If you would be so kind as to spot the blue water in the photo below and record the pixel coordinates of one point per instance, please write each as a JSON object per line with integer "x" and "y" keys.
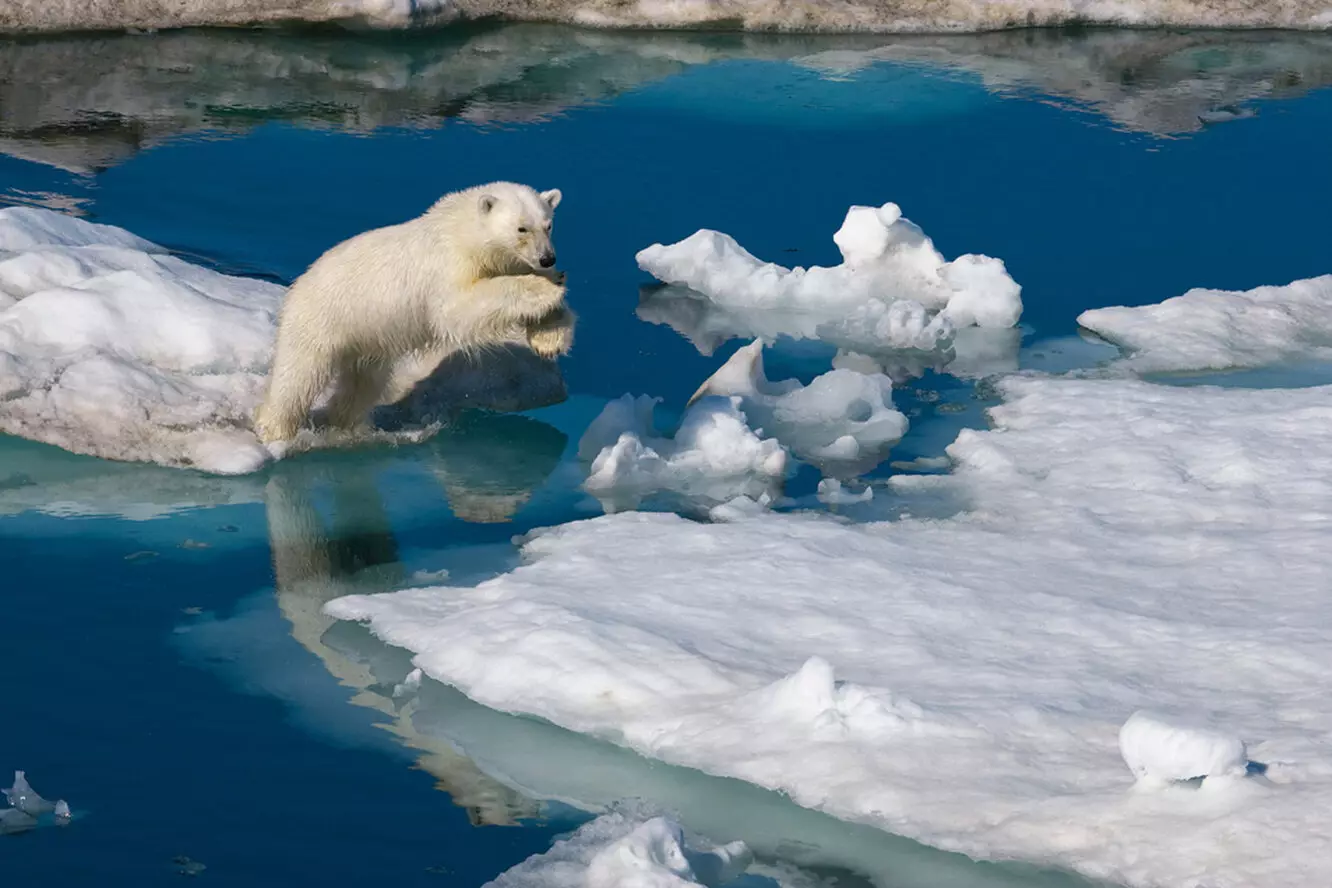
{"x": 153, "y": 678}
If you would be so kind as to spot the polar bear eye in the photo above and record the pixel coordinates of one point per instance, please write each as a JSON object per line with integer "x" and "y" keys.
{"x": 522, "y": 230}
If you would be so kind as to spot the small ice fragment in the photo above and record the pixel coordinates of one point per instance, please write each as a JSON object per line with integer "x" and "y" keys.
{"x": 409, "y": 685}
{"x": 24, "y": 798}
{"x": 921, "y": 464}
{"x": 188, "y": 867}
{"x": 62, "y": 812}
{"x": 832, "y": 491}
{"x": 1156, "y": 748}
{"x": 841, "y": 417}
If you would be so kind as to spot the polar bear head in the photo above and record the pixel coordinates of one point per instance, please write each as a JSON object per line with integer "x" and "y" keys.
{"x": 516, "y": 221}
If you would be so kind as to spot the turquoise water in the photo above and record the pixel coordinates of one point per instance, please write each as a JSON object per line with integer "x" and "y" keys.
{"x": 168, "y": 670}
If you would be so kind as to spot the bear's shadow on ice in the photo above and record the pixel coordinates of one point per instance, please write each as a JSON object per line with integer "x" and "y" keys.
{"x": 505, "y": 379}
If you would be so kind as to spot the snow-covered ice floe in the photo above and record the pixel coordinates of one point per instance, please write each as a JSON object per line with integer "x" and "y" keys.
{"x": 761, "y": 15}
{"x": 1222, "y": 330}
{"x": 893, "y": 291}
{"x": 619, "y": 850}
{"x": 112, "y": 347}
{"x": 966, "y": 681}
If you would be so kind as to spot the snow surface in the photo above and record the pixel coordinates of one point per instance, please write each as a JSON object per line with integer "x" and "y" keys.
{"x": 843, "y": 419}
{"x": 767, "y": 15}
{"x": 1220, "y": 329}
{"x": 111, "y": 347}
{"x": 892, "y": 292}
{"x": 964, "y": 681}
{"x": 714, "y": 455}
{"x": 618, "y": 850}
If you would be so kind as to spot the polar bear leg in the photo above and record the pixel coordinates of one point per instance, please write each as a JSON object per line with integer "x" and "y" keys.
{"x": 360, "y": 383}
{"x": 294, "y": 384}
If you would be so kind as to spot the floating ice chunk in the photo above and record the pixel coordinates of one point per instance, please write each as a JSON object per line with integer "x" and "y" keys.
{"x": 1220, "y": 329}
{"x": 842, "y": 418}
{"x": 893, "y": 289}
{"x": 831, "y": 491}
{"x": 22, "y": 796}
{"x": 618, "y": 850}
{"x": 714, "y": 454}
{"x": 1160, "y": 749}
{"x": 409, "y": 685}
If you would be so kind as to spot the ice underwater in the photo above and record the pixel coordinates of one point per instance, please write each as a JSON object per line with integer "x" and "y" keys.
{"x": 1111, "y": 659}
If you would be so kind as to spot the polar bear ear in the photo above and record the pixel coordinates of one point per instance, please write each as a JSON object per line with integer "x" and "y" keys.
{"x": 487, "y": 203}
{"x": 552, "y": 197}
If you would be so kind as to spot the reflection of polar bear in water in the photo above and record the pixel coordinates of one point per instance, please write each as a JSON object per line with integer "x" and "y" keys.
{"x": 489, "y": 466}
{"x": 377, "y": 313}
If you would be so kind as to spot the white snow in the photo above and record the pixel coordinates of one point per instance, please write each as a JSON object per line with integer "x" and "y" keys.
{"x": 893, "y": 290}
{"x": 111, "y": 347}
{"x": 964, "y": 681}
{"x": 1221, "y": 330}
{"x": 843, "y": 418}
{"x": 714, "y": 455}
{"x": 1159, "y": 749}
{"x": 618, "y": 850}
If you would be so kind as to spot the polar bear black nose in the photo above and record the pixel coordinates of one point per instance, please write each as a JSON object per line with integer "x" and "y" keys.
{"x": 547, "y": 260}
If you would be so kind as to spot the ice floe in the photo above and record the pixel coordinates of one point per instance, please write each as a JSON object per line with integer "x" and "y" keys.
{"x": 618, "y": 850}
{"x": 893, "y": 291}
{"x": 761, "y": 15}
{"x": 1222, "y": 330}
{"x": 714, "y": 455}
{"x": 111, "y": 347}
{"x": 964, "y": 682}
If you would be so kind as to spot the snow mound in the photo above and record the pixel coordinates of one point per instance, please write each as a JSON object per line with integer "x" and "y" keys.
{"x": 620, "y": 851}
{"x": 1158, "y": 749}
{"x": 714, "y": 455}
{"x": 1220, "y": 329}
{"x": 111, "y": 347}
{"x": 893, "y": 290}
{"x": 842, "y": 419}
{"x": 963, "y": 681}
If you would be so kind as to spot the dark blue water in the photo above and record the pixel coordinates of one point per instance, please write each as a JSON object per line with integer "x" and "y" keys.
{"x": 153, "y": 677}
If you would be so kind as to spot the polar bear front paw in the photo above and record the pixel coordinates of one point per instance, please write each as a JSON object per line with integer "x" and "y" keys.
{"x": 553, "y": 335}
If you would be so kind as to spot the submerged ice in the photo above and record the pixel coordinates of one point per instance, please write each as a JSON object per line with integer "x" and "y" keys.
{"x": 893, "y": 292}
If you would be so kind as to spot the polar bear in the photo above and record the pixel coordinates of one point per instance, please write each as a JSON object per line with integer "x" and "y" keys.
{"x": 378, "y": 312}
